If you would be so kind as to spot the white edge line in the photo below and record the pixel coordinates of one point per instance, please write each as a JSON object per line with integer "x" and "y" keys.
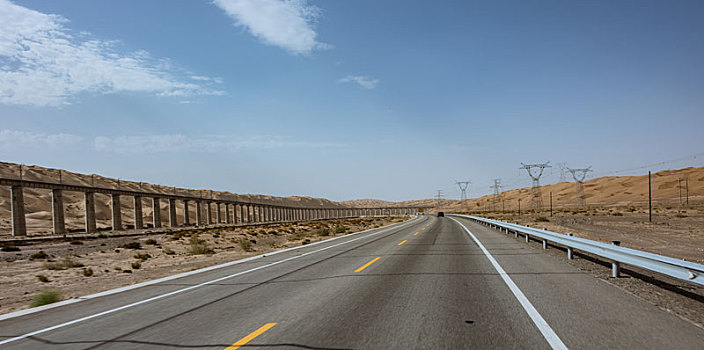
{"x": 176, "y": 276}
{"x": 144, "y": 301}
{"x": 548, "y": 333}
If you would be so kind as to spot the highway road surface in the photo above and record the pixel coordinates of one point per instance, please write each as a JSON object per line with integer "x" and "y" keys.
{"x": 430, "y": 283}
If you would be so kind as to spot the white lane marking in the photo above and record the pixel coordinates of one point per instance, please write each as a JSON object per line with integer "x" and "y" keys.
{"x": 30, "y": 334}
{"x": 176, "y": 276}
{"x": 543, "y": 326}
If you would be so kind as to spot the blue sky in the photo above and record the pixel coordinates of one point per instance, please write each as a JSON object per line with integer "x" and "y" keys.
{"x": 349, "y": 99}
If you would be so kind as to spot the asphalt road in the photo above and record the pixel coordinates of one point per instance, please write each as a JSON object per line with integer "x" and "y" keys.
{"x": 419, "y": 285}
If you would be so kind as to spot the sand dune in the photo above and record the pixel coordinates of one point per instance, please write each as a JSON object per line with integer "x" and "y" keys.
{"x": 599, "y": 192}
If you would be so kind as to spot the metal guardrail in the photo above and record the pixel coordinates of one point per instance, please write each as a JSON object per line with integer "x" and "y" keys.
{"x": 679, "y": 269}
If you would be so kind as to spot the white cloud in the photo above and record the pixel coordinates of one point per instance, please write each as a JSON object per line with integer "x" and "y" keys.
{"x": 42, "y": 63}
{"x": 284, "y": 23}
{"x": 177, "y": 143}
{"x": 12, "y": 139}
{"x": 363, "y": 81}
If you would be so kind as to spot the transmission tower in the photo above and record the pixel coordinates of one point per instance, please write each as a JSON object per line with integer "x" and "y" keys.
{"x": 463, "y": 187}
{"x": 536, "y": 197}
{"x": 497, "y": 192}
{"x": 579, "y": 175}
{"x": 439, "y": 196}
{"x": 563, "y": 170}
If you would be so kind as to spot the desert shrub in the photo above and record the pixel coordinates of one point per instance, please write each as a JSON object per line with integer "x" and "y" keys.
{"x": 76, "y": 242}
{"x": 127, "y": 271}
{"x": 341, "y": 229}
{"x": 10, "y": 248}
{"x": 102, "y": 235}
{"x": 39, "y": 255}
{"x": 43, "y": 278}
{"x": 64, "y": 264}
{"x": 87, "y": 272}
{"x": 617, "y": 214}
{"x": 680, "y": 215}
{"x": 142, "y": 257}
{"x": 323, "y": 231}
{"x": 117, "y": 268}
{"x": 541, "y": 219}
{"x": 136, "y": 265}
{"x": 168, "y": 251}
{"x": 198, "y": 247}
{"x": 245, "y": 244}
{"x": 668, "y": 207}
{"x": 132, "y": 245}
{"x": 45, "y": 297}
{"x": 150, "y": 241}
{"x": 306, "y": 241}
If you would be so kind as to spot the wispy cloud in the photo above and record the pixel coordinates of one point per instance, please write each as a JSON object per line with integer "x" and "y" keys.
{"x": 43, "y": 63}
{"x": 177, "y": 143}
{"x": 288, "y": 24}
{"x": 361, "y": 80}
{"x": 12, "y": 139}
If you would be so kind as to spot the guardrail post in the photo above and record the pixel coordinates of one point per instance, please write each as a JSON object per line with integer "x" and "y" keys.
{"x": 527, "y": 238}
{"x": 186, "y": 214}
{"x": 173, "y": 222}
{"x": 89, "y": 201}
{"x": 156, "y": 212}
{"x": 116, "y": 212}
{"x": 545, "y": 244}
{"x": 19, "y": 223}
{"x": 569, "y": 250}
{"x": 57, "y": 212}
{"x": 138, "y": 218}
{"x": 615, "y": 265}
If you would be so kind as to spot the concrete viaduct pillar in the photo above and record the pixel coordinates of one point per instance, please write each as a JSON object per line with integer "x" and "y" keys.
{"x": 58, "y": 223}
{"x": 199, "y": 213}
{"x": 173, "y": 220}
{"x": 19, "y": 223}
{"x": 218, "y": 213}
{"x": 186, "y": 216}
{"x": 209, "y": 212}
{"x": 228, "y": 216}
{"x": 89, "y": 201}
{"x": 138, "y": 216}
{"x": 116, "y": 212}
{"x": 156, "y": 212}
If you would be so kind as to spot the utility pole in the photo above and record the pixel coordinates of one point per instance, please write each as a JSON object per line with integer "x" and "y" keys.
{"x": 536, "y": 197}
{"x": 579, "y": 175}
{"x": 686, "y": 189}
{"x": 519, "y": 206}
{"x": 463, "y": 187}
{"x": 679, "y": 188}
{"x": 550, "y": 203}
{"x": 650, "y": 199}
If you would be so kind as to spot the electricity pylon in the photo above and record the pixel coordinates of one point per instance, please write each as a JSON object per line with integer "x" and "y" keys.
{"x": 497, "y": 192}
{"x": 579, "y": 175}
{"x": 463, "y": 187}
{"x": 536, "y": 197}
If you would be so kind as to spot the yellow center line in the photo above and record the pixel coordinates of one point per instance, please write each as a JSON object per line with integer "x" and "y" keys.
{"x": 251, "y": 336}
{"x": 404, "y": 241}
{"x": 367, "y": 264}
{"x": 416, "y": 234}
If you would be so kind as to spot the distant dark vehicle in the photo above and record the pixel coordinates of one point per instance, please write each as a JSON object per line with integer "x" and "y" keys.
{"x": 441, "y": 214}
